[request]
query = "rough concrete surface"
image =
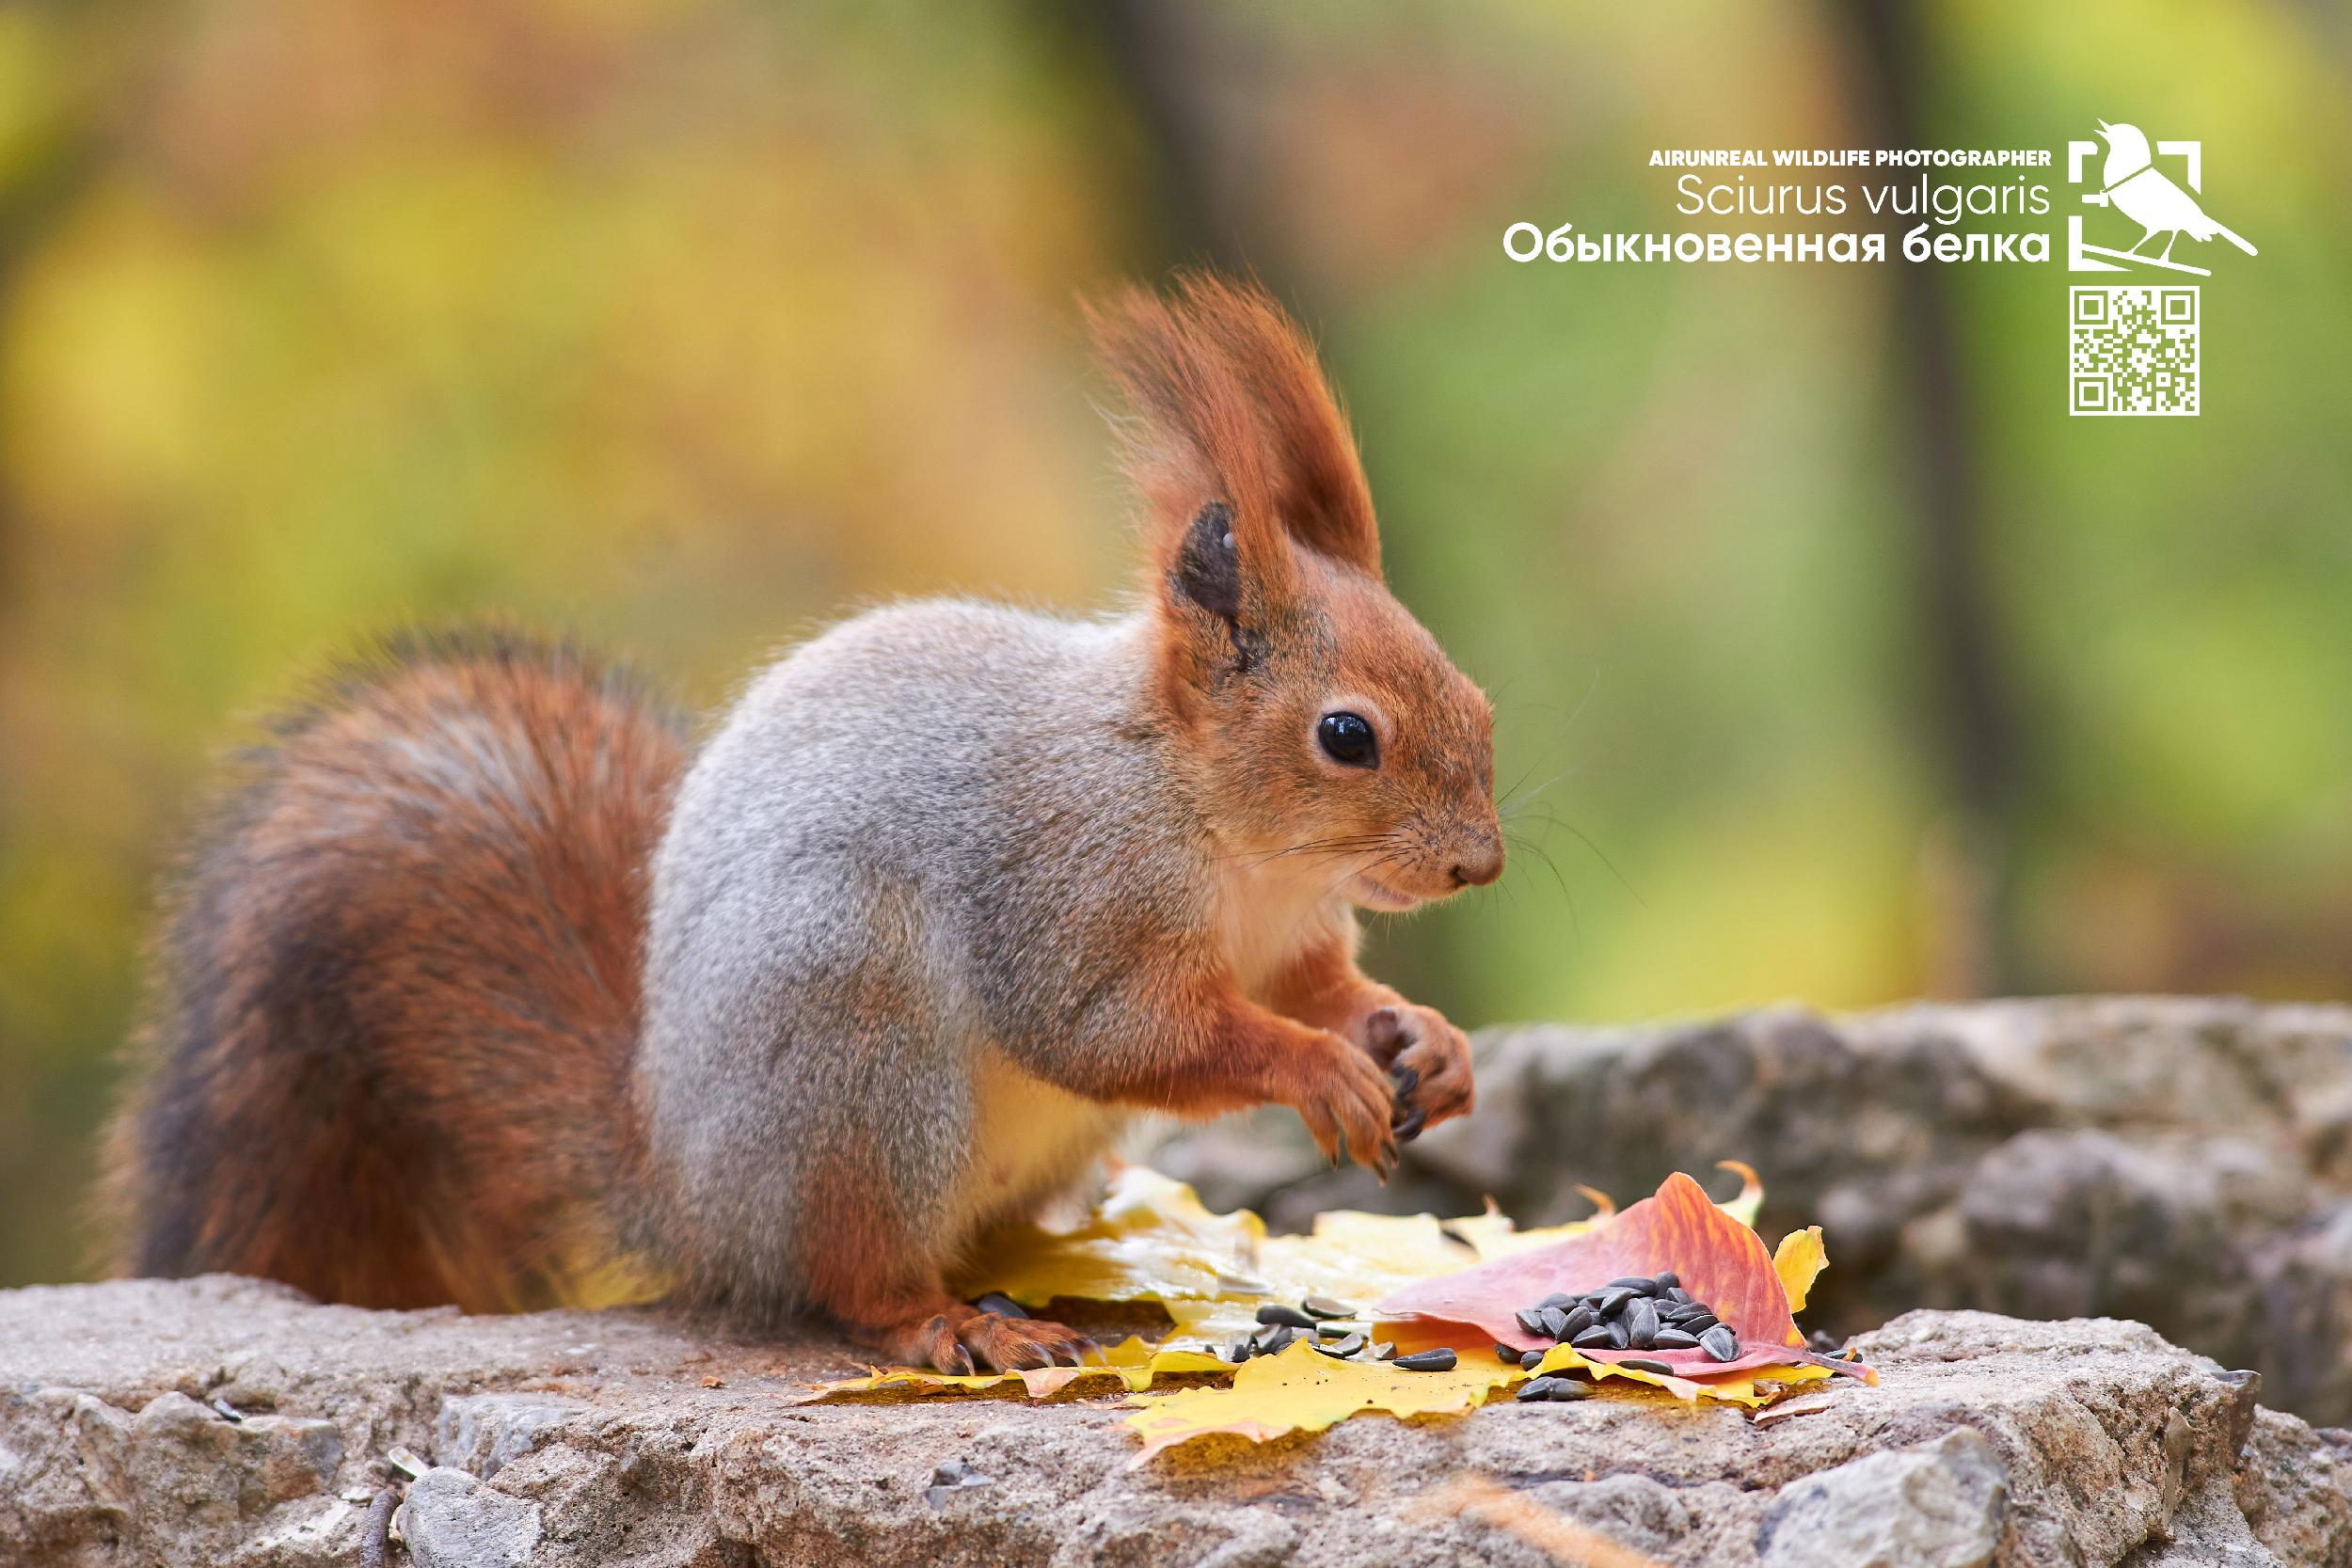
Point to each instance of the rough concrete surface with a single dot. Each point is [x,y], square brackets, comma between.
[2182,1161]
[624,1438]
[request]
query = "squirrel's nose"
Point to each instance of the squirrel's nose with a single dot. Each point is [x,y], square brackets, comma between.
[1480,869]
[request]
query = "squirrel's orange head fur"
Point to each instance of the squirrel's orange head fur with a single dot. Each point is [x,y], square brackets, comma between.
[1320,717]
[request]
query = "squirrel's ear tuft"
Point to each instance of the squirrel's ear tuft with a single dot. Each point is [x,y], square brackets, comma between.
[1319,481]
[1229,407]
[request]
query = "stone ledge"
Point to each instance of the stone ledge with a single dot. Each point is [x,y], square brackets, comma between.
[599,1438]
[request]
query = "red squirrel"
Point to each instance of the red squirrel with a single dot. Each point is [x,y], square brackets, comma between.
[487,983]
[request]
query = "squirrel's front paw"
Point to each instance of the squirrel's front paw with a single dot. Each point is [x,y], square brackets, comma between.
[1429,1061]
[1345,1098]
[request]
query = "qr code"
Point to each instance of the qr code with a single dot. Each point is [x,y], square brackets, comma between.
[2131,351]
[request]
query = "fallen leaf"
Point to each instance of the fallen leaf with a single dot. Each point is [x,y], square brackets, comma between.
[1750,1201]
[1132,1365]
[1799,1260]
[1492,1235]
[1149,1239]
[1788,1412]
[1152,1239]
[1721,1259]
[1742,1382]
[1305,1390]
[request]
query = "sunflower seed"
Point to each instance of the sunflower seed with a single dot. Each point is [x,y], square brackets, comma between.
[1555,1323]
[1721,1343]
[1640,1284]
[1598,1336]
[1532,1360]
[1324,1306]
[1530,1319]
[1438,1360]
[1612,1301]
[1001,1305]
[1509,1355]
[1557,1298]
[1275,1341]
[1578,1321]
[1641,1323]
[1289,1317]
[1697,1322]
[1568,1389]
[1341,1348]
[1674,1338]
[1535,1390]
[1640,1365]
[1679,1296]
[1380,1349]
[1332,1328]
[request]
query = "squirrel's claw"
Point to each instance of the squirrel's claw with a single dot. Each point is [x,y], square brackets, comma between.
[1431,1073]
[1346,1101]
[1018,1344]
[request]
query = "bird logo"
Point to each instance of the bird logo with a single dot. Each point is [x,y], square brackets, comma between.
[2131,182]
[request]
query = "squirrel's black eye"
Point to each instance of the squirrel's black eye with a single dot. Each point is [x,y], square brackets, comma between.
[1348,740]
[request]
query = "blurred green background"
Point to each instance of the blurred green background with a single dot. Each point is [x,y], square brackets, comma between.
[1835,662]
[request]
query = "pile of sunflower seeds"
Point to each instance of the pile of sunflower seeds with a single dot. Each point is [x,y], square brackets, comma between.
[1330,1327]
[1637,1312]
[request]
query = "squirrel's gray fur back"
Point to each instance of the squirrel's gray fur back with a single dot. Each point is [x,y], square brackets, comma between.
[914,853]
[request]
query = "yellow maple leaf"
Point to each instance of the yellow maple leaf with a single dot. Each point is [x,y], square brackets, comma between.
[1149,1239]
[1305,1390]
[1799,1260]
[1132,1363]
[1742,1391]
[1152,1239]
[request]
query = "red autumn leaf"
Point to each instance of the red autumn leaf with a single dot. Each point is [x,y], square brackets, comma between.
[1721,1261]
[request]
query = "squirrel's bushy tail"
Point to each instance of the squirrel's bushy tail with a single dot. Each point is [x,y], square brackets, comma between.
[388,1054]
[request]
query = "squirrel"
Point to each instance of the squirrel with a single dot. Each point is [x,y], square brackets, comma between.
[488,985]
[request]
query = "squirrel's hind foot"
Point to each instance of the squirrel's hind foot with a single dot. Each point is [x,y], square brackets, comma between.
[958,1338]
